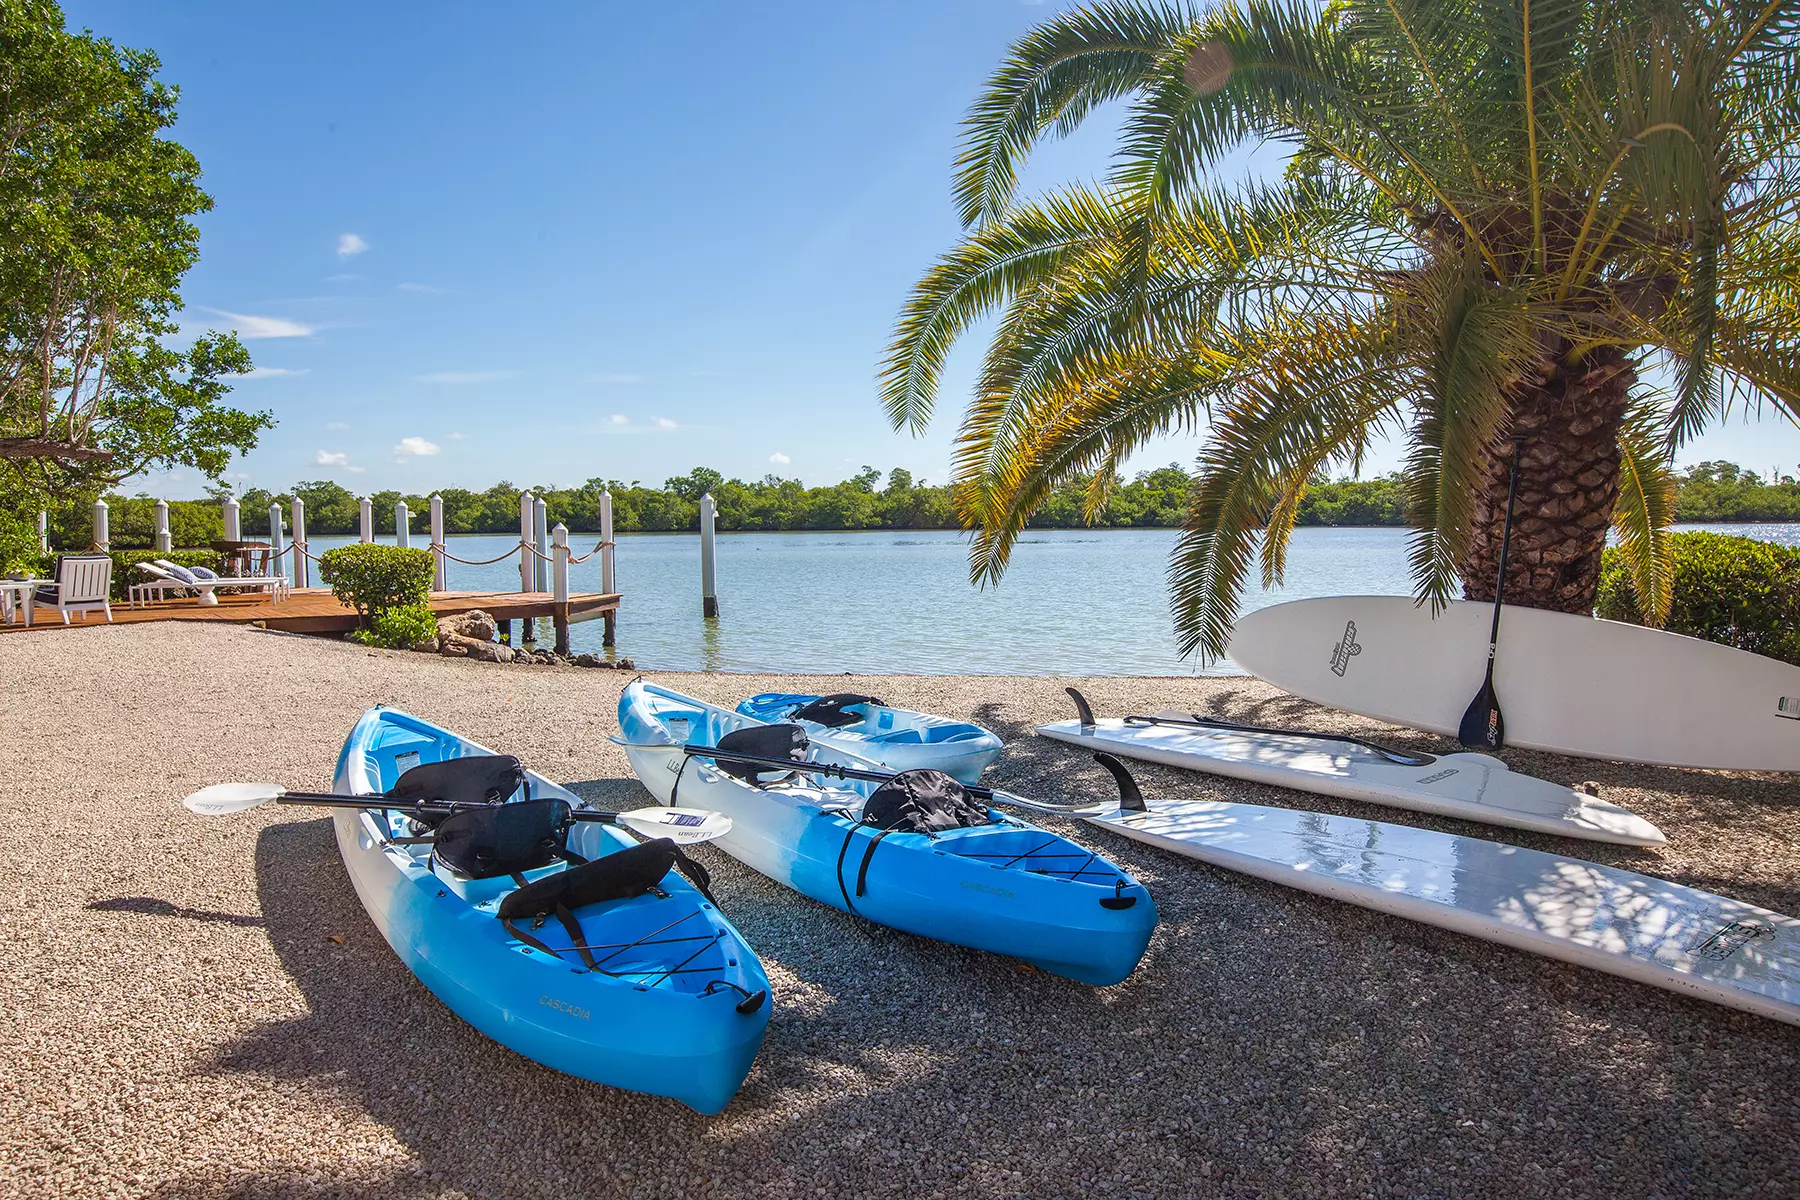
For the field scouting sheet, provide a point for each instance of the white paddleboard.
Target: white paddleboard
(1474, 787)
(1627, 924)
(1572, 685)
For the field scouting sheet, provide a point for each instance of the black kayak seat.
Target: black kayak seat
(830, 711)
(764, 741)
(475, 779)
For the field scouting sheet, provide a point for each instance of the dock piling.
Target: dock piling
(302, 576)
(276, 547)
(164, 543)
(440, 573)
(43, 532)
(366, 511)
(526, 575)
(234, 530)
(102, 530)
(402, 524)
(709, 583)
(540, 536)
(608, 583)
(559, 614)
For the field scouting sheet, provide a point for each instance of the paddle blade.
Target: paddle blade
(223, 798)
(684, 826)
(1483, 726)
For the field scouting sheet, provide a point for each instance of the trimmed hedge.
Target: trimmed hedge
(373, 578)
(1732, 590)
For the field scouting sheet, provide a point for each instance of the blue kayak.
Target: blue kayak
(900, 738)
(997, 884)
(674, 1002)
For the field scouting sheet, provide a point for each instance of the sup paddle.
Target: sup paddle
(1483, 725)
(684, 826)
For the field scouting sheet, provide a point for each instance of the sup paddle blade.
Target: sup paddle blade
(683, 826)
(223, 798)
(1482, 725)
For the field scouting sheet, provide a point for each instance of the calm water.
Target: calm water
(1075, 602)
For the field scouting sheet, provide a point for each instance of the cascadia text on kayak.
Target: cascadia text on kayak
(574, 1010)
(972, 886)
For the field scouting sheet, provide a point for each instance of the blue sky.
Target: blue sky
(550, 242)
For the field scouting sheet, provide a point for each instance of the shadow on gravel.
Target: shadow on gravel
(150, 906)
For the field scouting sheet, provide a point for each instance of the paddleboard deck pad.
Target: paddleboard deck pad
(1473, 787)
(1635, 926)
(1569, 684)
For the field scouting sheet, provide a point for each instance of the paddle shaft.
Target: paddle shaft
(813, 768)
(1483, 723)
(334, 800)
(1512, 490)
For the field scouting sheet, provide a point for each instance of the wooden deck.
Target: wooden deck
(316, 610)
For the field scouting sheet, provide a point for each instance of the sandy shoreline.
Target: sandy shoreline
(179, 1023)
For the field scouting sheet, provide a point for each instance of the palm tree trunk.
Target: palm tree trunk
(1568, 483)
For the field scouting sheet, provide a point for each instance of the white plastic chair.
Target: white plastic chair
(83, 585)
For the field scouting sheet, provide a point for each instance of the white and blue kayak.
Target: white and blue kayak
(997, 884)
(896, 737)
(1473, 787)
(655, 993)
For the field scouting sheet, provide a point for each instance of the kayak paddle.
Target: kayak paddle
(682, 825)
(830, 770)
(1483, 725)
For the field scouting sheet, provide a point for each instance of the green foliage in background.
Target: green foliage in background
(374, 578)
(399, 628)
(1731, 590)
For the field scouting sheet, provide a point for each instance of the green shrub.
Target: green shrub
(372, 578)
(1731, 590)
(399, 628)
(125, 572)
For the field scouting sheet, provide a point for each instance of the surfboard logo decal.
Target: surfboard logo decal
(1789, 707)
(1440, 775)
(1347, 649)
(1727, 940)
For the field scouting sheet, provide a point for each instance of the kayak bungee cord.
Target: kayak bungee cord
(1196, 721)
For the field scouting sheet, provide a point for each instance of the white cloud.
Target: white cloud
(266, 373)
(620, 419)
(780, 459)
(414, 446)
(252, 328)
(665, 423)
(457, 437)
(465, 377)
(336, 425)
(334, 458)
(616, 377)
(349, 245)
(424, 289)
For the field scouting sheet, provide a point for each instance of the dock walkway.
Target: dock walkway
(316, 610)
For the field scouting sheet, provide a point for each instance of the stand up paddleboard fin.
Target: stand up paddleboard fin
(1081, 707)
(1130, 798)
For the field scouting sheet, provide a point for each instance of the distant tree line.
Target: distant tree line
(1711, 491)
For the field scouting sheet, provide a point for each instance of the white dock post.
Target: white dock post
(526, 574)
(540, 535)
(559, 583)
(440, 573)
(43, 532)
(366, 509)
(608, 582)
(275, 543)
(234, 531)
(302, 574)
(402, 524)
(709, 582)
(102, 532)
(164, 543)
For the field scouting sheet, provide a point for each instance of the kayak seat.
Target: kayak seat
(763, 741)
(622, 875)
(475, 779)
(504, 839)
(920, 801)
(832, 711)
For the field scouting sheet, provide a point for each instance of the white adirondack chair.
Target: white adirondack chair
(83, 585)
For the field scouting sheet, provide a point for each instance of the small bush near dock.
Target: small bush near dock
(373, 579)
(1731, 590)
(400, 628)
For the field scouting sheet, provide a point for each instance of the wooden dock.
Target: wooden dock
(316, 610)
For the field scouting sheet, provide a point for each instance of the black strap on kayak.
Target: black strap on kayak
(842, 851)
(862, 874)
(1400, 757)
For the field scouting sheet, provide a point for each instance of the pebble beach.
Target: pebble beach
(200, 1008)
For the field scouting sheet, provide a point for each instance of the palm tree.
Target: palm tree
(1567, 226)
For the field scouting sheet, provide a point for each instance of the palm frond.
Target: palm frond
(1645, 510)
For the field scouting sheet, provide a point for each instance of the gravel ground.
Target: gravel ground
(184, 1022)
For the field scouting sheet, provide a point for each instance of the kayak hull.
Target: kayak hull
(1472, 787)
(629, 1025)
(1008, 888)
(900, 738)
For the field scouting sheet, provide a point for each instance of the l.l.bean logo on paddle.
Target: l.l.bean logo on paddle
(1345, 650)
(1789, 707)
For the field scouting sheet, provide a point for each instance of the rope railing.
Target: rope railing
(469, 562)
(598, 546)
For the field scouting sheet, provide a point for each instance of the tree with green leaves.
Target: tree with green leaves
(95, 237)
(1566, 222)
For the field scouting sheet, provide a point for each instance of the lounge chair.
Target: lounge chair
(157, 587)
(202, 581)
(83, 585)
